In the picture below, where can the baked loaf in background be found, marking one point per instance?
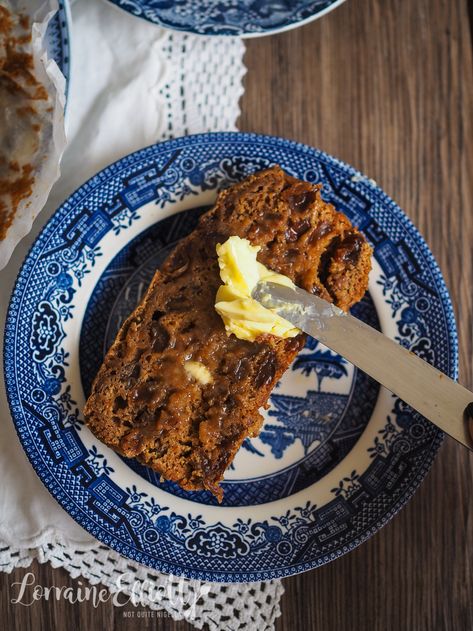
(145, 403)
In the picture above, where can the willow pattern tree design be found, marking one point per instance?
(307, 418)
(324, 363)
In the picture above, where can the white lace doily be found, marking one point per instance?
(132, 84)
(221, 607)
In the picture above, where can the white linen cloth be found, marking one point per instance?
(132, 84)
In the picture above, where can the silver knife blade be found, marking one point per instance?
(444, 402)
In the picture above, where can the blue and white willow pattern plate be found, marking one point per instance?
(245, 18)
(58, 41)
(337, 456)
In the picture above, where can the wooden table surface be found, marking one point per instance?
(386, 86)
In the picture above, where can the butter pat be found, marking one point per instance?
(240, 273)
(198, 371)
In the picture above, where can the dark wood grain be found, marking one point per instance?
(388, 87)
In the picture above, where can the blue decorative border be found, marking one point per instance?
(245, 18)
(58, 40)
(127, 520)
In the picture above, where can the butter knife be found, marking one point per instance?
(441, 400)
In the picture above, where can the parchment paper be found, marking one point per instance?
(52, 139)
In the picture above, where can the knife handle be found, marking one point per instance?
(468, 419)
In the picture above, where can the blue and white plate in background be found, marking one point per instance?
(245, 18)
(337, 456)
(58, 39)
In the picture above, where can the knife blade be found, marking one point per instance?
(440, 399)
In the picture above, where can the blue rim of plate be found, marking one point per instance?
(58, 40)
(242, 18)
(99, 490)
